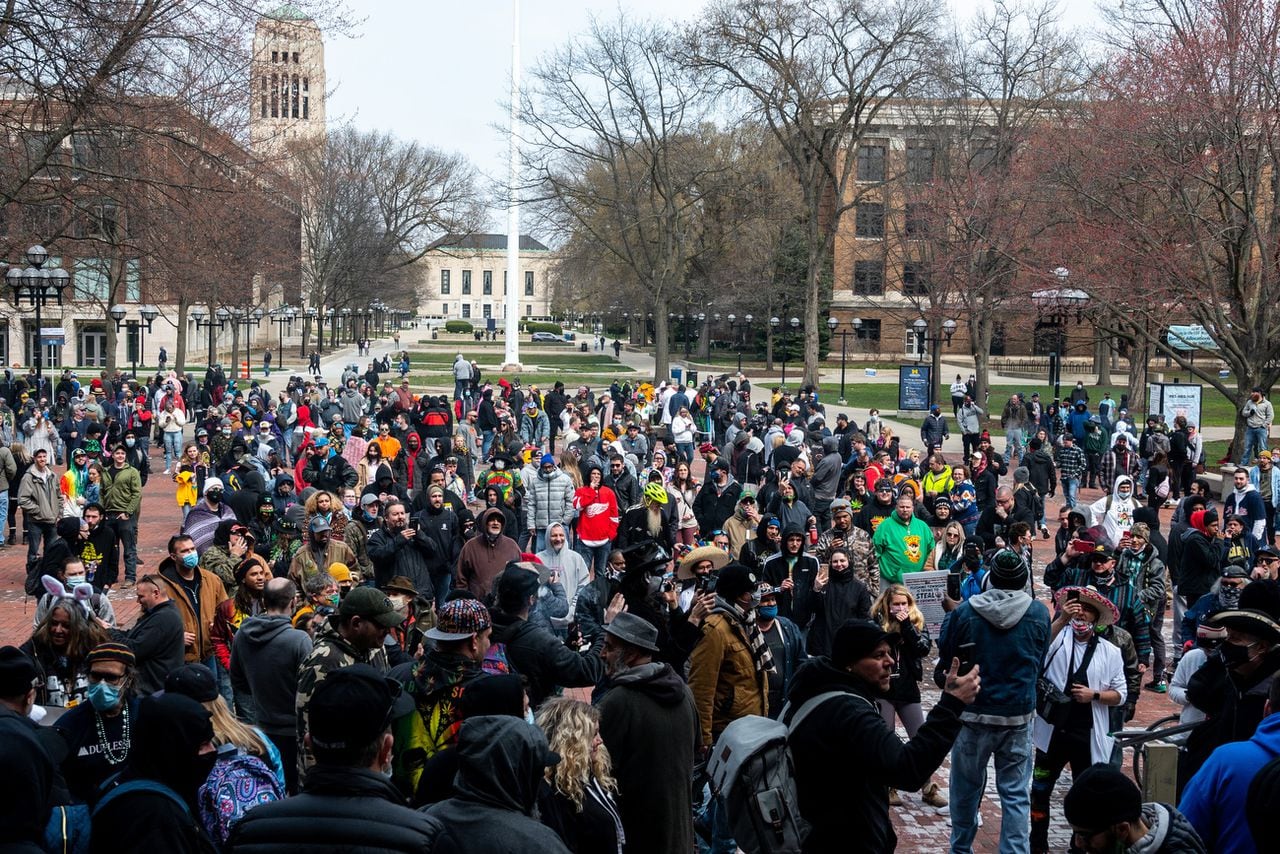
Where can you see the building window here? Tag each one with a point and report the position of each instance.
(466, 309)
(915, 280)
(294, 97)
(488, 310)
(871, 156)
(915, 221)
(504, 283)
(444, 282)
(528, 283)
(444, 309)
(295, 57)
(919, 161)
(466, 282)
(868, 278)
(528, 309)
(870, 220)
(868, 333)
(264, 96)
(984, 157)
(306, 98)
(275, 96)
(487, 282)
(275, 56)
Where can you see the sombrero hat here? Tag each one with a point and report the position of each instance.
(1107, 612)
(1249, 621)
(719, 560)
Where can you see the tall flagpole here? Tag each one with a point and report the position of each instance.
(515, 284)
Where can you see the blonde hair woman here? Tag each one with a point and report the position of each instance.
(896, 612)
(579, 801)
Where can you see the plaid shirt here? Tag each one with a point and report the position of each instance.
(1071, 462)
(1112, 467)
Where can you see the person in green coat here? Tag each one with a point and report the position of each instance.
(121, 500)
(903, 542)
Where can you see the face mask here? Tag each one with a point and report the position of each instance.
(350, 505)
(528, 717)
(369, 517)
(74, 580)
(214, 495)
(226, 431)
(655, 584)
(104, 697)
(1229, 597)
(768, 612)
(1080, 626)
(334, 599)
(1234, 655)
(191, 561)
(130, 442)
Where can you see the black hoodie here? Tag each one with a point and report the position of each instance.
(793, 604)
(650, 725)
(848, 732)
(501, 761)
(384, 481)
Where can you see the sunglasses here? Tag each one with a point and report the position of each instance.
(109, 678)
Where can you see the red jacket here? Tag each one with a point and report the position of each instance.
(600, 523)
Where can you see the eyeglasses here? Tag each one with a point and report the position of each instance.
(109, 678)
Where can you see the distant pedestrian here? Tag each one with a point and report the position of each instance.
(266, 363)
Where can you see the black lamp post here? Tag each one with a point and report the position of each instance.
(217, 320)
(737, 326)
(933, 343)
(136, 327)
(1055, 306)
(249, 320)
(776, 323)
(281, 316)
(313, 317)
(832, 324)
(37, 284)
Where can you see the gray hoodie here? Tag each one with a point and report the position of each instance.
(265, 657)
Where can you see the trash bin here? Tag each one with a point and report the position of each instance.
(693, 379)
(582, 348)
(435, 335)
(677, 374)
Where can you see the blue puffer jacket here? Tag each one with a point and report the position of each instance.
(1010, 633)
(1215, 797)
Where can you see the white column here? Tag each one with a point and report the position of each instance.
(514, 282)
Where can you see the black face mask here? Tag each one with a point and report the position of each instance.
(214, 496)
(1233, 655)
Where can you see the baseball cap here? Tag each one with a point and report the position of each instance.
(17, 673)
(340, 572)
(370, 604)
(318, 524)
(459, 620)
(367, 499)
(192, 680)
(354, 705)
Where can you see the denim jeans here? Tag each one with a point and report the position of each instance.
(717, 818)
(126, 531)
(596, 557)
(487, 443)
(441, 585)
(1011, 747)
(1013, 438)
(172, 448)
(1255, 440)
(4, 513)
(1070, 486)
(36, 532)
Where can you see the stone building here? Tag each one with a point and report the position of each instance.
(465, 277)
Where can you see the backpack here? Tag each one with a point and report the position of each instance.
(751, 769)
(237, 784)
(139, 785)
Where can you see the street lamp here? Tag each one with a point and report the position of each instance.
(37, 285)
(856, 323)
(218, 320)
(281, 316)
(1055, 306)
(136, 327)
(932, 343)
(776, 323)
(738, 326)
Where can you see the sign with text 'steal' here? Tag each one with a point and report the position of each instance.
(913, 387)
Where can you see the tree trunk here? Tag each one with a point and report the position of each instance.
(1139, 358)
(180, 348)
(768, 347)
(306, 334)
(1100, 361)
(980, 347)
(812, 300)
(661, 345)
(935, 361)
(235, 347)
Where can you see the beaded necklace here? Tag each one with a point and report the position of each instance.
(113, 758)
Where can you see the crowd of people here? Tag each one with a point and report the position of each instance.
(524, 620)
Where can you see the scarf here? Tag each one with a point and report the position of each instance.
(746, 622)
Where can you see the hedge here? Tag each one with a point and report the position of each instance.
(532, 326)
(458, 326)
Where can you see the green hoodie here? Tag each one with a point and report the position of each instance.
(902, 547)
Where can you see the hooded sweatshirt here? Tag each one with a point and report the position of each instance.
(1247, 502)
(265, 657)
(1170, 833)
(1113, 513)
(481, 559)
(501, 761)
(573, 570)
(902, 547)
(1214, 799)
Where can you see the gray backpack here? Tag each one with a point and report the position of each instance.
(752, 772)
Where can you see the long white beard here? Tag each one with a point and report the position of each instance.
(654, 522)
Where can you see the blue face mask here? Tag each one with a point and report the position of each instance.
(103, 696)
(191, 561)
(768, 612)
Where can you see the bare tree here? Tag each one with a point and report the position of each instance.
(374, 205)
(816, 73)
(618, 158)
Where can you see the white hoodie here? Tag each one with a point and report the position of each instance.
(1116, 519)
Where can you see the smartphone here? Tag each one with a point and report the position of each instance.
(1073, 595)
(965, 653)
(953, 585)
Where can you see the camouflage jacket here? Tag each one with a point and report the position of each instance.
(330, 653)
(862, 557)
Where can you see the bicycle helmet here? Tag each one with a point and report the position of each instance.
(656, 493)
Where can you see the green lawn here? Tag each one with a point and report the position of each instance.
(1217, 411)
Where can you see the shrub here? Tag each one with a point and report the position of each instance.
(532, 326)
(458, 326)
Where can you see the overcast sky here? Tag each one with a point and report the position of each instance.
(439, 72)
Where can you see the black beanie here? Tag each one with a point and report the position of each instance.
(1100, 797)
(734, 580)
(856, 639)
(1008, 570)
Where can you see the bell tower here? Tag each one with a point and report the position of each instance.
(287, 83)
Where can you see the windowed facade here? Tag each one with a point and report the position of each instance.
(915, 221)
(915, 280)
(528, 287)
(870, 220)
(868, 278)
(871, 161)
(444, 282)
(920, 161)
(466, 309)
(466, 282)
(487, 282)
